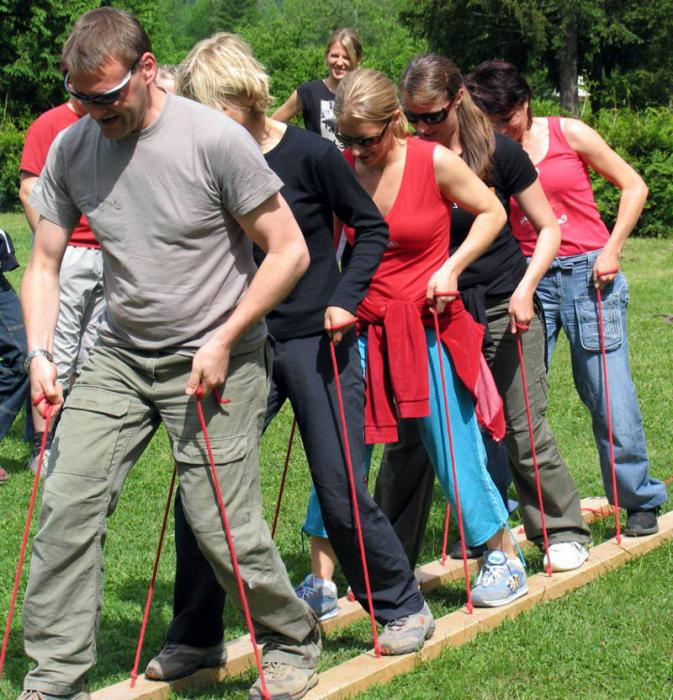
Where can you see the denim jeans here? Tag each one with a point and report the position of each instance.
(13, 380)
(569, 299)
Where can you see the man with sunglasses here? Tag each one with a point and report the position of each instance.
(176, 193)
(81, 275)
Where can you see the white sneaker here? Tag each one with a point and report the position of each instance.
(566, 556)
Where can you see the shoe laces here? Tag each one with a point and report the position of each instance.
(491, 573)
(276, 670)
(305, 591)
(398, 624)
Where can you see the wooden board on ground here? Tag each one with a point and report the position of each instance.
(431, 576)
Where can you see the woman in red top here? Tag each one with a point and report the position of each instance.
(562, 150)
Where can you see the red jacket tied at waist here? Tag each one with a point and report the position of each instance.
(397, 365)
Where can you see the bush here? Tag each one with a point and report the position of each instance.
(11, 143)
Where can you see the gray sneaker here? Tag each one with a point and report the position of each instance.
(284, 682)
(178, 660)
(32, 464)
(408, 633)
(41, 695)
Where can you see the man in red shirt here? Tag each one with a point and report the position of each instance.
(81, 277)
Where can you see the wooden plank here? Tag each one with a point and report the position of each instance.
(430, 576)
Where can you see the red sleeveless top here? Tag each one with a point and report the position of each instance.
(564, 177)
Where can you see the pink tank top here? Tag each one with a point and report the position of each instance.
(565, 180)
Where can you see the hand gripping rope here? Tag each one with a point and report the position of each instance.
(608, 413)
(230, 540)
(447, 415)
(282, 478)
(47, 415)
(354, 501)
(150, 590)
(520, 330)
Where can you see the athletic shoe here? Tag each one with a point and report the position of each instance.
(4, 476)
(321, 595)
(41, 695)
(500, 581)
(284, 682)
(408, 633)
(641, 522)
(566, 556)
(475, 552)
(178, 660)
(34, 458)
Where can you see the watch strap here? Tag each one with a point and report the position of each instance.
(38, 352)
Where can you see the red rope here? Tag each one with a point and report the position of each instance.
(282, 479)
(230, 539)
(519, 346)
(46, 414)
(150, 590)
(445, 537)
(604, 362)
(447, 415)
(354, 501)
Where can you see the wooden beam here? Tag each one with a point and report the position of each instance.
(430, 576)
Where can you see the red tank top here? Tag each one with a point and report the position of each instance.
(419, 223)
(565, 180)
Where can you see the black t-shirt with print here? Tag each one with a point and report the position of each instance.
(318, 109)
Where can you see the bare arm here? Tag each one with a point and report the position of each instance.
(537, 209)
(28, 181)
(459, 184)
(289, 109)
(593, 150)
(273, 228)
(40, 302)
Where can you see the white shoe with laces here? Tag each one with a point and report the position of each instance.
(566, 556)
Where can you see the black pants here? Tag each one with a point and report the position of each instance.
(302, 373)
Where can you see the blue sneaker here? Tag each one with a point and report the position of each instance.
(321, 595)
(500, 581)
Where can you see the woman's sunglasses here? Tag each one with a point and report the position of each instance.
(101, 98)
(362, 141)
(429, 117)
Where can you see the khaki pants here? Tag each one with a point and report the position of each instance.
(113, 411)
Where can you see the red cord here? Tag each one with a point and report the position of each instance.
(282, 478)
(46, 414)
(445, 537)
(536, 469)
(459, 514)
(230, 539)
(604, 362)
(150, 590)
(354, 501)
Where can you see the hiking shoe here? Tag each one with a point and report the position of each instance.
(471, 552)
(408, 633)
(320, 594)
(284, 682)
(641, 522)
(566, 556)
(41, 695)
(178, 660)
(500, 581)
(4, 476)
(34, 458)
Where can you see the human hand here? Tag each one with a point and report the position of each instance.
(209, 367)
(45, 390)
(606, 268)
(520, 311)
(338, 322)
(442, 287)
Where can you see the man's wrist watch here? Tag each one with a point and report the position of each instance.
(38, 352)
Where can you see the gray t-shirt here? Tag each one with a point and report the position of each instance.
(162, 204)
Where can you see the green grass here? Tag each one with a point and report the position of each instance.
(611, 639)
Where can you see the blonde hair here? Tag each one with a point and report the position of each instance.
(433, 78)
(349, 39)
(222, 69)
(370, 96)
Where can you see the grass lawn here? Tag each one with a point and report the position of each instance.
(611, 639)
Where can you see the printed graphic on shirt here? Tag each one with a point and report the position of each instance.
(328, 127)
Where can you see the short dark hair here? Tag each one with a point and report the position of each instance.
(101, 34)
(498, 87)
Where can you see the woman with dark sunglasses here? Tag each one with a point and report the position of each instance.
(414, 183)
(498, 290)
(563, 150)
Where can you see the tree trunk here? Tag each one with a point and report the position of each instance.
(568, 65)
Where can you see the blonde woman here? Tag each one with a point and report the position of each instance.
(315, 98)
(222, 73)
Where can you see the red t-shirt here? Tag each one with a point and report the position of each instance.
(564, 177)
(39, 138)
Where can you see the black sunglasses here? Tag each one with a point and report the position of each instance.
(362, 141)
(101, 98)
(429, 117)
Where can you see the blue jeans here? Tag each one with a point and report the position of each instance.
(13, 380)
(569, 299)
(483, 510)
